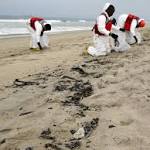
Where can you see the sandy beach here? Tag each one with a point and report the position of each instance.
(48, 97)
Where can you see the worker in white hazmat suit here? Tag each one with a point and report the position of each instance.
(37, 27)
(129, 25)
(102, 32)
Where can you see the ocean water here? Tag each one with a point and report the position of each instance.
(13, 27)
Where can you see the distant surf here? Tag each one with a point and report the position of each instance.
(10, 27)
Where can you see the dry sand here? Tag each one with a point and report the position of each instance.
(59, 91)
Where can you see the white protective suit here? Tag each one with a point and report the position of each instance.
(128, 35)
(36, 35)
(102, 44)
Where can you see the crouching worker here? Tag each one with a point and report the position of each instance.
(37, 27)
(129, 24)
(102, 32)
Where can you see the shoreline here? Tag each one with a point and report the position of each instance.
(28, 35)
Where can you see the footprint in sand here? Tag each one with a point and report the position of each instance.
(122, 140)
(5, 130)
(126, 122)
(113, 104)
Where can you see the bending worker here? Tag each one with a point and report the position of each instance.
(37, 27)
(102, 32)
(130, 24)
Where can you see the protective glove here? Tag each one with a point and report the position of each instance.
(42, 33)
(40, 47)
(121, 29)
(114, 36)
(136, 40)
(114, 22)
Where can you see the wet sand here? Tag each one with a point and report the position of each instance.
(47, 96)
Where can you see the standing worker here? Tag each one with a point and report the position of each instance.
(102, 32)
(129, 24)
(37, 27)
